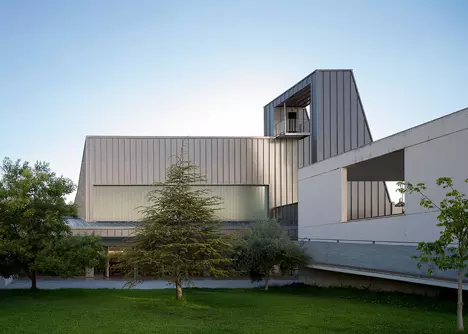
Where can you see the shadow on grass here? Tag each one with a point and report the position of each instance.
(446, 302)
(167, 301)
(202, 298)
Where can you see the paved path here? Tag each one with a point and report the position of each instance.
(153, 284)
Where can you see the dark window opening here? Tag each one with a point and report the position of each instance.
(292, 122)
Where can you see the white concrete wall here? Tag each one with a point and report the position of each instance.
(432, 150)
(445, 156)
(441, 127)
(327, 204)
(400, 228)
(5, 281)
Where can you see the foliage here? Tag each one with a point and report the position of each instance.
(450, 251)
(264, 246)
(70, 255)
(33, 234)
(180, 236)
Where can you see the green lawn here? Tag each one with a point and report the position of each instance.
(295, 309)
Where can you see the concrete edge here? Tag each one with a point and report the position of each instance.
(395, 277)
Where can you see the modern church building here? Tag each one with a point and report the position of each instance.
(257, 177)
(316, 169)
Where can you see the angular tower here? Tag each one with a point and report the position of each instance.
(324, 114)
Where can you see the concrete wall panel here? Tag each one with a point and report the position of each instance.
(323, 194)
(395, 258)
(432, 150)
(446, 156)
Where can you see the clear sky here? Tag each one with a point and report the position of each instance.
(74, 68)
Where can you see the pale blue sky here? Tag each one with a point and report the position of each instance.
(74, 68)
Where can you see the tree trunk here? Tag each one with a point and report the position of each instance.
(33, 278)
(266, 282)
(460, 301)
(178, 289)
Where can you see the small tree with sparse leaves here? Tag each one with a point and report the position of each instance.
(263, 247)
(450, 251)
(179, 236)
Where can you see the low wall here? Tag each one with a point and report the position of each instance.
(5, 281)
(392, 258)
(323, 278)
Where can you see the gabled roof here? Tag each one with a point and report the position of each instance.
(298, 95)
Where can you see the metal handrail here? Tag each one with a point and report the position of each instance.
(292, 126)
(359, 241)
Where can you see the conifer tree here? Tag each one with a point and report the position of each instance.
(179, 236)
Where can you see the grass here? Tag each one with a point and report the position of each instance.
(293, 309)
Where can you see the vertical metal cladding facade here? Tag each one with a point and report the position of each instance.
(124, 203)
(138, 161)
(80, 198)
(338, 124)
(342, 126)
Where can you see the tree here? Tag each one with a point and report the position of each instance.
(33, 234)
(264, 246)
(70, 255)
(450, 251)
(179, 236)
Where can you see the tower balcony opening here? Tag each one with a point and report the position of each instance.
(292, 128)
(292, 122)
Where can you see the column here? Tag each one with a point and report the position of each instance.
(344, 195)
(106, 268)
(89, 272)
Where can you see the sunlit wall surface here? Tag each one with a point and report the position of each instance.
(124, 203)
